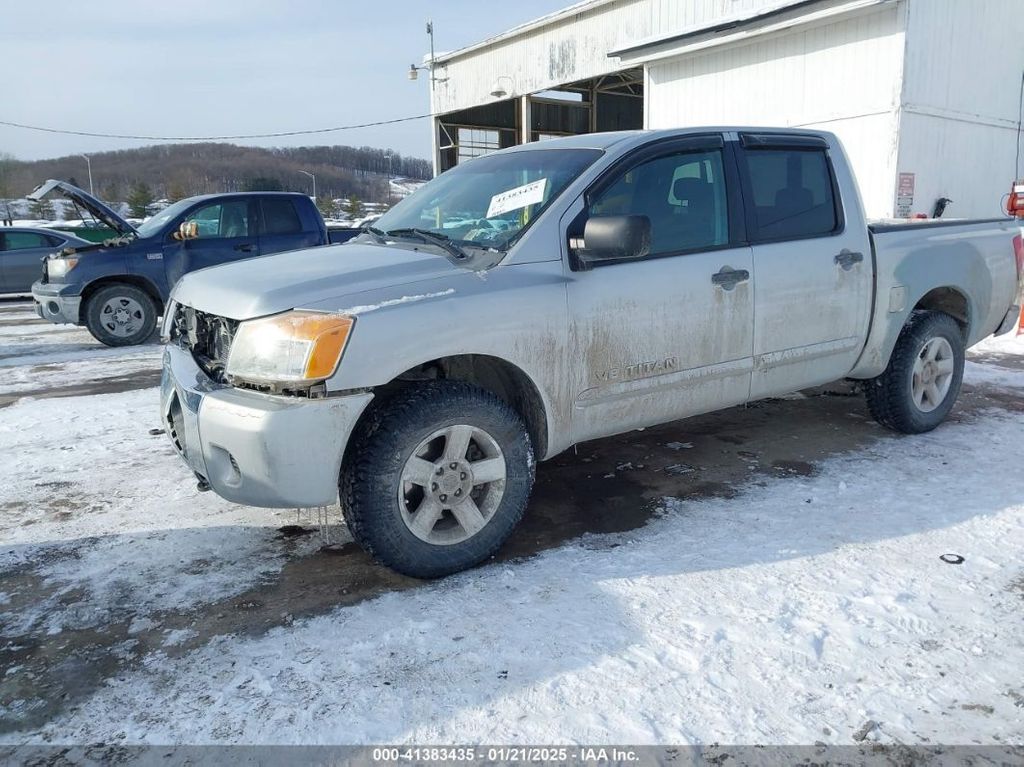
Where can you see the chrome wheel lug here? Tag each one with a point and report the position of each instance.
(458, 492)
(433, 486)
(453, 466)
(462, 475)
(443, 498)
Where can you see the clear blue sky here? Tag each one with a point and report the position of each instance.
(206, 67)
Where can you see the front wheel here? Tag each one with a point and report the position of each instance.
(120, 315)
(921, 383)
(436, 479)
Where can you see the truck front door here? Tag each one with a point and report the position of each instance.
(226, 231)
(813, 293)
(669, 335)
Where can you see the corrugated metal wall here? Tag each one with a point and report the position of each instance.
(575, 48)
(958, 126)
(843, 77)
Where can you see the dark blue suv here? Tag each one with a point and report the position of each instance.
(119, 288)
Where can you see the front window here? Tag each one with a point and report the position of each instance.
(682, 194)
(222, 219)
(490, 200)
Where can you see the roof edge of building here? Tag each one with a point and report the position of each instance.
(542, 21)
(736, 25)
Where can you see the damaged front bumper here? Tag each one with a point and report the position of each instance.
(56, 302)
(253, 448)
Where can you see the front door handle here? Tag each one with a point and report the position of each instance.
(728, 278)
(847, 258)
(246, 247)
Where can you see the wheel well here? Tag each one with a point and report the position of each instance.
(501, 378)
(124, 279)
(949, 301)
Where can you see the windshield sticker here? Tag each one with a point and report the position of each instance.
(520, 197)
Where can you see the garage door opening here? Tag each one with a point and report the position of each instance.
(608, 103)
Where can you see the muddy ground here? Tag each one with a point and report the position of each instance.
(602, 487)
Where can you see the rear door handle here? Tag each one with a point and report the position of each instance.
(728, 278)
(847, 258)
(245, 247)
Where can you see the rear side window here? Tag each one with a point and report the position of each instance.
(25, 240)
(279, 217)
(793, 193)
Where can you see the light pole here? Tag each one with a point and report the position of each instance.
(312, 176)
(414, 70)
(390, 156)
(88, 163)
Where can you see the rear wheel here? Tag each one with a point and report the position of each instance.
(437, 478)
(120, 315)
(921, 383)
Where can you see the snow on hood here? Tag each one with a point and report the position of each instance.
(333, 274)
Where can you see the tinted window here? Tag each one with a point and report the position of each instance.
(227, 219)
(682, 194)
(793, 195)
(279, 217)
(24, 240)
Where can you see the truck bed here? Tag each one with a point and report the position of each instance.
(972, 259)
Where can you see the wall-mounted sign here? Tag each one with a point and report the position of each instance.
(904, 195)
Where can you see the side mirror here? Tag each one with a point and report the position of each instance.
(611, 238)
(188, 230)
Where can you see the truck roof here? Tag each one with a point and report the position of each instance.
(606, 140)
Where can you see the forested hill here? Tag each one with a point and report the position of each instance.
(174, 171)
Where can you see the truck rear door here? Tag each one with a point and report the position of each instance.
(282, 226)
(812, 262)
(670, 334)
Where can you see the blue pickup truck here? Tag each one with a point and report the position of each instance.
(118, 288)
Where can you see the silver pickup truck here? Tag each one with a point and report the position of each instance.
(559, 292)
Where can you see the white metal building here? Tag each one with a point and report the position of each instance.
(925, 94)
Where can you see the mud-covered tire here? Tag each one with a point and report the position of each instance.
(120, 315)
(891, 396)
(375, 489)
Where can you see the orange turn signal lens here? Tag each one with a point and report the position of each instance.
(328, 333)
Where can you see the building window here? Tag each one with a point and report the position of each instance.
(474, 142)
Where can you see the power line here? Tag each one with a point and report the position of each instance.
(214, 138)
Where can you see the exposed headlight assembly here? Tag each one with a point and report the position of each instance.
(57, 268)
(294, 347)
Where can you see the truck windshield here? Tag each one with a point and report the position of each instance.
(155, 223)
(490, 200)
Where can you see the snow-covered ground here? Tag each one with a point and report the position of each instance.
(797, 607)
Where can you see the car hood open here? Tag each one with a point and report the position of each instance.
(84, 200)
(328, 277)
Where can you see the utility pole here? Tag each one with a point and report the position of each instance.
(312, 176)
(88, 163)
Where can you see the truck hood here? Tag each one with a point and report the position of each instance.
(84, 200)
(301, 278)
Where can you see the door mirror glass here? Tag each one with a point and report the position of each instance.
(611, 238)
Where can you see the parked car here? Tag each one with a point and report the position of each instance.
(119, 288)
(22, 250)
(635, 278)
